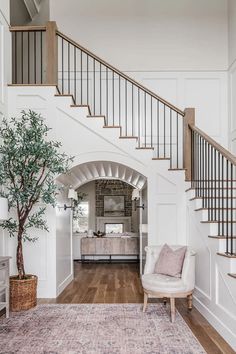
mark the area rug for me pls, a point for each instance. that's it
(97, 329)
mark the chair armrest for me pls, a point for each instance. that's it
(188, 271)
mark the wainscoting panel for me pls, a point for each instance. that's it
(206, 91)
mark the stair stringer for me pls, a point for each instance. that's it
(215, 291)
(87, 140)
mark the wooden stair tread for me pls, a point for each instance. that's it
(128, 137)
(161, 158)
(233, 275)
(145, 148)
(212, 198)
(177, 169)
(226, 255)
(220, 237)
(112, 126)
(198, 209)
(218, 222)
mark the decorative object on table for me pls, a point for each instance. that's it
(159, 285)
(29, 162)
(119, 328)
(114, 205)
(99, 234)
(90, 233)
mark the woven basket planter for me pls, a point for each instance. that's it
(23, 293)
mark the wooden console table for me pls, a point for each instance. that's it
(4, 284)
(109, 246)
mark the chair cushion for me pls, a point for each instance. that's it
(170, 262)
(162, 283)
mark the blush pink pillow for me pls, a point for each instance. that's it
(170, 262)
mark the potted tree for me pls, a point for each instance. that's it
(29, 163)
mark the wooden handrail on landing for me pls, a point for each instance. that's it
(224, 152)
(120, 73)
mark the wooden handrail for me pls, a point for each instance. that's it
(230, 157)
(120, 73)
(27, 28)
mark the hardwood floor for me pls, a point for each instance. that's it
(120, 283)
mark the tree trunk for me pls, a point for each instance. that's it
(19, 257)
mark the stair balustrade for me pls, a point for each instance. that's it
(213, 178)
(43, 55)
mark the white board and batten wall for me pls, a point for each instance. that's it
(177, 49)
(5, 77)
(232, 75)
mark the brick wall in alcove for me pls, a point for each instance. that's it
(112, 187)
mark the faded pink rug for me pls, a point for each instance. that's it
(97, 329)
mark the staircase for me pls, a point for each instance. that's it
(119, 107)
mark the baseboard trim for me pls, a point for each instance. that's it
(223, 330)
(64, 284)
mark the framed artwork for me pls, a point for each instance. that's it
(114, 205)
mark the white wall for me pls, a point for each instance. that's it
(5, 74)
(177, 49)
(64, 265)
(232, 74)
(149, 35)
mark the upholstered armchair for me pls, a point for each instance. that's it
(165, 286)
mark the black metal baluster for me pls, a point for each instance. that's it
(227, 208)
(132, 108)
(192, 158)
(145, 120)
(68, 66)
(126, 108)
(94, 88)
(200, 172)
(22, 58)
(75, 78)
(62, 64)
(203, 172)
(231, 210)
(208, 178)
(170, 138)
(214, 200)
(81, 77)
(87, 78)
(28, 52)
(16, 59)
(113, 98)
(164, 127)
(218, 193)
(41, 55)
(100, 69)
(158, 130)
(177, 141)
(107, 95)
(35, 58)
(222, 192)
(139, 121)
(119, 102)
(151, 122)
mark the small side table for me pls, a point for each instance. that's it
(4, 284)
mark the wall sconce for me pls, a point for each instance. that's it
(136, 198)
(3, 208)
(72, 195)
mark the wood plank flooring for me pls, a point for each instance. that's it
(120, 283)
